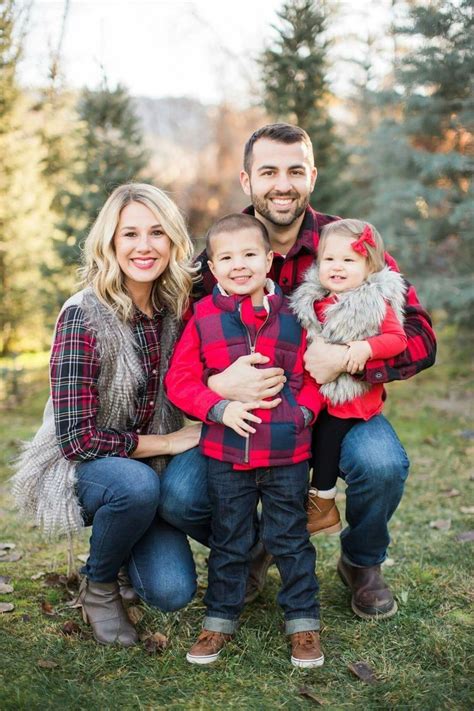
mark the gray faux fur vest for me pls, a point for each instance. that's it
(44, 482)
(355, 316)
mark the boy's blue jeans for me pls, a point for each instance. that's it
(234, 496)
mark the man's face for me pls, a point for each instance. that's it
(281, 180)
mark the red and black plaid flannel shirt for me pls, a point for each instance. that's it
(289, 271)
(74, 371)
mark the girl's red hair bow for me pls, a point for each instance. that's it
(367, 237)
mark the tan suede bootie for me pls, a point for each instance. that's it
(102, 608)
(323, 515)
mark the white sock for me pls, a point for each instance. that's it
(327, 493)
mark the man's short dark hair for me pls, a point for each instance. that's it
(233, 223)
(280, 133)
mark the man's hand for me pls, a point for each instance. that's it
(235, 415)
(242, 382)
(357, 355)
(325, 361)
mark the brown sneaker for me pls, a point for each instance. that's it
(207, 647)
(306, 650)
(323, 515)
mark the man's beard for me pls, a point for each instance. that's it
(282, 219)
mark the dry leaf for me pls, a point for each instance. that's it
(135, 614)
(6, 607)
(155, 643)
(441, 524)
(55, 580)
(465, 537)
(467, 509)
(83, 557)
(11, 558)
(5, 588)
(7, 546)
(5, 579)
(388, 562)
(46, 664)
(70, 628)
(363, 671)
(450, 493)
(25, 618)
(47, 609)
(309, 693)
(37, 576)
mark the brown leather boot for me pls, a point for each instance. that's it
(102, 608)
(323, 515)
(207, 647)
(305, 649)
(371, 596)
(127, 592)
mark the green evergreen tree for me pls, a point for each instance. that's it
(110, 152)
(413, 180)
(295, 90)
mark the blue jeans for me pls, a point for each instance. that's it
(373, 464)
(120, 497)
(234, 496)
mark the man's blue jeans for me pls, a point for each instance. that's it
(373, 464)
(119, 497)
(234, 497)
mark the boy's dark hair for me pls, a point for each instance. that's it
(280, 133)
(233, 223)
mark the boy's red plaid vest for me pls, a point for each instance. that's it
(225, 329)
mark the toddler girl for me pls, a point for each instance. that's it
(351, 297)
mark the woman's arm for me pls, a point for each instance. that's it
(74, 373)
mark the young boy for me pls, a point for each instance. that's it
(254, 454)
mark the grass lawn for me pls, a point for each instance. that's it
(421, 657)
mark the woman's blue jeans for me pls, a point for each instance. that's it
(373, 464)
(120, 497)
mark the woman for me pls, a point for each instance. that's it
(108, 426)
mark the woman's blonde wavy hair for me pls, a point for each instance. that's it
(353, 229)
(102, 272)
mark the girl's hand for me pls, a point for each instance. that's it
(358, 353)
(235, 415)
(182, 440)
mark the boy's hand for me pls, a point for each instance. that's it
(236, 414)
(358, 353)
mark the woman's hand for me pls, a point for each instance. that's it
(357, 355)
(244, 383)
(235, 415)
(173, 443)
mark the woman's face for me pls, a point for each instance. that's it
(142, 247)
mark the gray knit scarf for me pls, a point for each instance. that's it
(356, 315)
(44, 484)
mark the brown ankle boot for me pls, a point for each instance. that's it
(323, 515)
(102, 608)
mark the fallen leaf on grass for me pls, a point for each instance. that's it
(25, 618)
(46, 664)
(37, 576)
(5, 588)
(83, 557)
(55, 580)
(47, 609)
(467, 509)
(5, 579)
(154, 643)
(71, 628)
(11, 558)
(441, 524)
(135, 614)
(6, 607)
(388, 562)
(450, 493)
(363, 671)
(309, 693)
(465, 537)
(7, 546)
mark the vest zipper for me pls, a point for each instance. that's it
(252, 347)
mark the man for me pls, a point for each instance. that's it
(279, 175)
